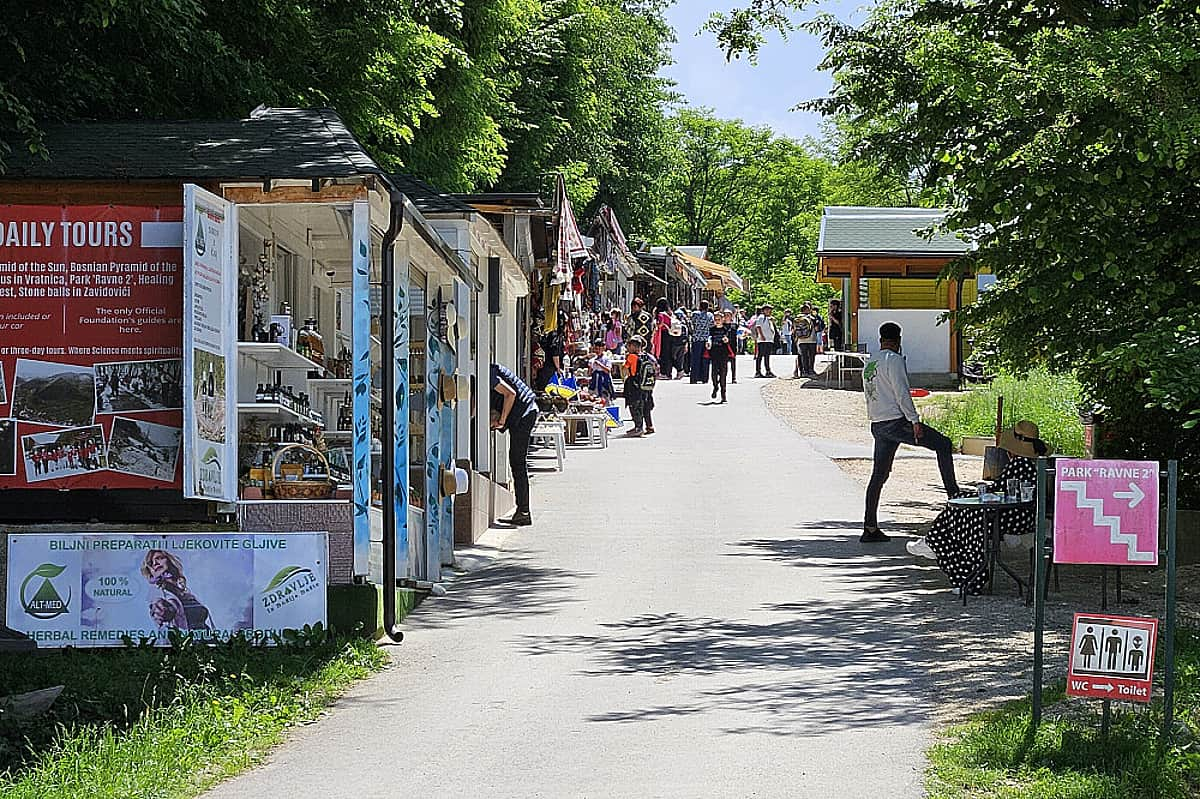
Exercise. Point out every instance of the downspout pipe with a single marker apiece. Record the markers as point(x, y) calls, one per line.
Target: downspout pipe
point(387, 328)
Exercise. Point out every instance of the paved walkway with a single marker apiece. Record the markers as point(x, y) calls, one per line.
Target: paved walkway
point(690, 616)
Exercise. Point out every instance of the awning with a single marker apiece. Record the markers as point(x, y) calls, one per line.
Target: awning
point(728, 277)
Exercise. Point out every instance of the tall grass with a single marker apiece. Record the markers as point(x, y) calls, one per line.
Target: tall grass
point(998, 755)
point(1051, 401)
point(159, 724)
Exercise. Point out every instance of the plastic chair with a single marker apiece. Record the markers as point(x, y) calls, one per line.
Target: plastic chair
point(552, 434)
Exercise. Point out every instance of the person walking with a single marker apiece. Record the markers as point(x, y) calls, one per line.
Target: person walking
point(515, 411)
point(702, 322)
point(660, 344)
point(895, 421)
point(721, 340)
point(641, 322)
point(837, 330)
point(679, 343)
point(641, 372)
point(806, 332)
point(764, 341)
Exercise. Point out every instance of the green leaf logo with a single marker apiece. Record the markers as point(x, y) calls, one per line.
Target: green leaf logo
point(49, 571)
point(283, 575)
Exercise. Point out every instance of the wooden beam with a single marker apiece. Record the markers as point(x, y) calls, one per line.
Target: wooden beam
point(855, 274)
point(254, 195)
point(952, 304)
point(92, 192)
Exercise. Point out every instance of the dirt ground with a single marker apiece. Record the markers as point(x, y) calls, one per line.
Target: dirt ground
point(989, 642)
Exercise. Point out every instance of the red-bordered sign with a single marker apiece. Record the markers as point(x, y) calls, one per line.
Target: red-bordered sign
point(1112, 657)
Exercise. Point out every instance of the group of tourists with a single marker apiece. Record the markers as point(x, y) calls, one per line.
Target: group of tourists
point(50, 459)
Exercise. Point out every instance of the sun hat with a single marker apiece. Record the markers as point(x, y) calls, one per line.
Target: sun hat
point(1024, 440)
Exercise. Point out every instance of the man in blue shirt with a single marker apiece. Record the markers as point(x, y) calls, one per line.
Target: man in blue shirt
point(514, 410)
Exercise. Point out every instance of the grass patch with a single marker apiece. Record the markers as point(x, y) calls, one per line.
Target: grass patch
point(1049, 400)
point(164, 723)
point(996, 755)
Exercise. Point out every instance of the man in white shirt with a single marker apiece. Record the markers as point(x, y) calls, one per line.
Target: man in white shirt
point(764, 341)
point(895, 421)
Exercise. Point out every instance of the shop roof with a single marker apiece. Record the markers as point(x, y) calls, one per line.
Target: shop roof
point(274, 143)
point(429, 199)
point(849, 230)
point(508, 199)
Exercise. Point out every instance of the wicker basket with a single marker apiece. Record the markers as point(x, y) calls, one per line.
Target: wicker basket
point(301, 489)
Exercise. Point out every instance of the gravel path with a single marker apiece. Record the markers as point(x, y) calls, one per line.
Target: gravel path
point(986, 648)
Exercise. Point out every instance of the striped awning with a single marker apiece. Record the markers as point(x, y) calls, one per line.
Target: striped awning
point(712, 271)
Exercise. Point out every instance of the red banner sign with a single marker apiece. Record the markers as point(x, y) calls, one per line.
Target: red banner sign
point(91, 344)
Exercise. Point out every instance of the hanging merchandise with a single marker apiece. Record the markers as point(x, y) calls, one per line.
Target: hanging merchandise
point(570, 242)
point(551, 295)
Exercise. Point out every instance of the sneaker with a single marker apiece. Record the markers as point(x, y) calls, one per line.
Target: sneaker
point(518, 519)
point(635, 433)
point(875, 536)
point(649, 431)
point(770, 374)
point(714, 394)
point(919, 547)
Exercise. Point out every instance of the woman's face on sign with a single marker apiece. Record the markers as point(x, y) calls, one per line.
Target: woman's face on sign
point(159, 564)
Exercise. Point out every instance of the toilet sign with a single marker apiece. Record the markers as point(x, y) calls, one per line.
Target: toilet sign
point(1112, 657)
point(1106, 512)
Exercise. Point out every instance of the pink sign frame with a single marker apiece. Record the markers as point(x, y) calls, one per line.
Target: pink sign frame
point(1106, 512)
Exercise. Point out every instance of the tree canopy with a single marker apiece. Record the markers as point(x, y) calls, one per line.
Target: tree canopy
point(1063, 137)
point(469, 94)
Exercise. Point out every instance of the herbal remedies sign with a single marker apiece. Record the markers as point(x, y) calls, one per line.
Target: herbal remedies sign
point(97, 590)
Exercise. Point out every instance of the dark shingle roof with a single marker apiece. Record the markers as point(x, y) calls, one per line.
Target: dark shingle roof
point(428, 199)
point(885, 231)
point(276, 143)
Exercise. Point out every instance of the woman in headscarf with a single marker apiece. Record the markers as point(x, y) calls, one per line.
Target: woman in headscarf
point(958, 536)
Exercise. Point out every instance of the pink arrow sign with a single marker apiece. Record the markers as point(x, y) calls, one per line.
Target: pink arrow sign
point(1106, 512)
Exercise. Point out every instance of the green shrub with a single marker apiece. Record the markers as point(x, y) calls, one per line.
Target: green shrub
point(1049, 400)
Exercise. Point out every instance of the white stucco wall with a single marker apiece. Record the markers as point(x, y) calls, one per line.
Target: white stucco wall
point(926, 340)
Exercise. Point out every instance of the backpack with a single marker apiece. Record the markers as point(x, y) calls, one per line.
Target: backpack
point(676, 328)
point(802, 327)
point(648, 369)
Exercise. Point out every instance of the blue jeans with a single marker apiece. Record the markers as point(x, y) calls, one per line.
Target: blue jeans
point(889, 436)
point(699, 364)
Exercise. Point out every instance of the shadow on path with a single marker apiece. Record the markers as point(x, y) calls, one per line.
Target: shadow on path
point(515, 587)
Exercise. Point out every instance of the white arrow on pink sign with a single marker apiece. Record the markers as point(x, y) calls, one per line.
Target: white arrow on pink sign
point(1106, 512)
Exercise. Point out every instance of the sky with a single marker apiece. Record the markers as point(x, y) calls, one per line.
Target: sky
point(786, 73)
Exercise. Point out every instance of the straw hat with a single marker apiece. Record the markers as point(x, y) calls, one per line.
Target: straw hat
point(1024, 440)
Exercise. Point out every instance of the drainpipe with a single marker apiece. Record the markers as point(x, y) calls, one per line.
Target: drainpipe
point(387, 328)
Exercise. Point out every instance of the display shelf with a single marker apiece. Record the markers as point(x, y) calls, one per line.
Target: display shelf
point(273, 410)
point(275, 356)
point(338, 434)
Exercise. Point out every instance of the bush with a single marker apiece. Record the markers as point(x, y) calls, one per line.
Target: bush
point(1051, 401)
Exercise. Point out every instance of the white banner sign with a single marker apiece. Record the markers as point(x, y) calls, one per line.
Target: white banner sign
point(209, 346)
point(93, 590)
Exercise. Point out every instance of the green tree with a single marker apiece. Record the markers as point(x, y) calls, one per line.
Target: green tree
point(1063, 138)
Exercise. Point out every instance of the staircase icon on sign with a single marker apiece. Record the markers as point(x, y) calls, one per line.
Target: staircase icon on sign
point(1134, 497)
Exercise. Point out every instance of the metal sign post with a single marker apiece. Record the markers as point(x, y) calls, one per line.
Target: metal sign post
point(1091, 531)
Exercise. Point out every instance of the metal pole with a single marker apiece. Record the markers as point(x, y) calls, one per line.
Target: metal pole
point(1039, 600)
point(1106, 719)
point(1169, 678)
